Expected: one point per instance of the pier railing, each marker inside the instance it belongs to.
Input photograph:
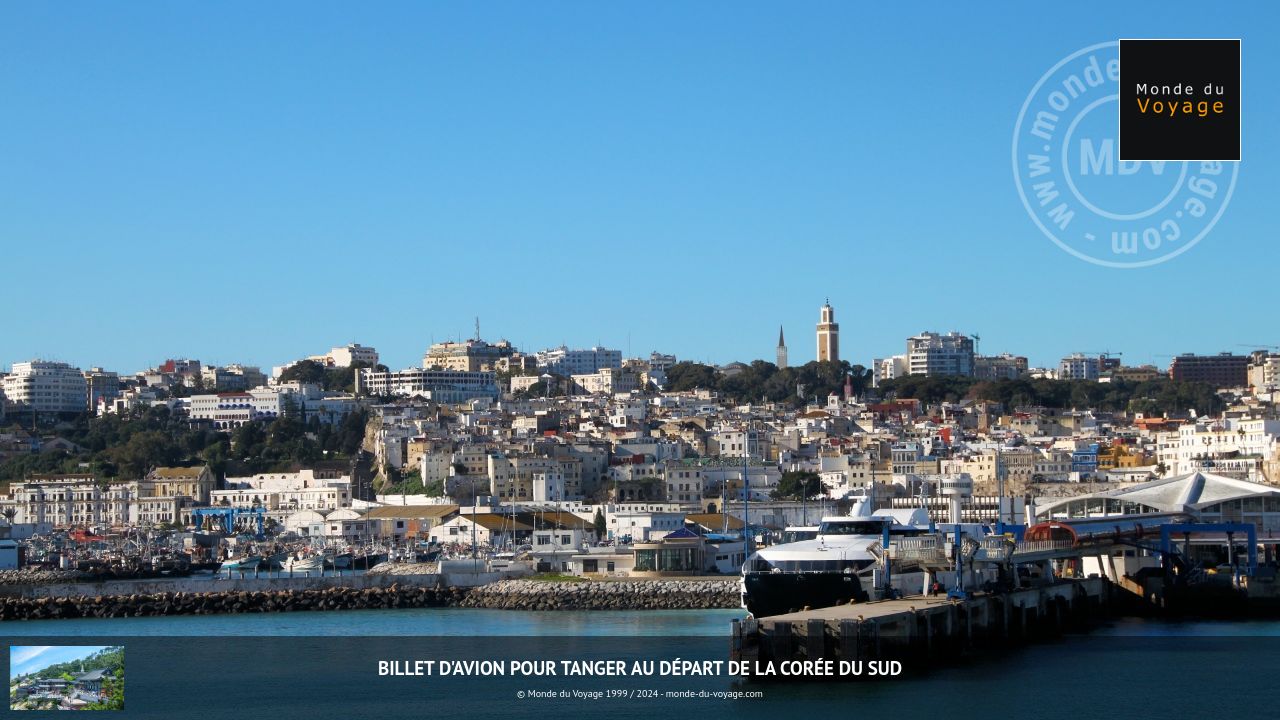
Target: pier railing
(1042, 546)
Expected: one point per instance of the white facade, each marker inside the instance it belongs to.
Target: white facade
(349, 355)
(889, 368)
(232, 409)
(932, 354)
(445, 386)
(81, 500)
(606, 381)
(1264, 372)
(1237, 446)
(1078, 367)
(45, 386)
(564, 361)
(287, 491)
(641, 525)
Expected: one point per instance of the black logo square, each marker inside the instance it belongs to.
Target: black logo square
(1179, 100)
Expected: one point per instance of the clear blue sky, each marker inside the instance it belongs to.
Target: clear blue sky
(25, 659)
(253, 182)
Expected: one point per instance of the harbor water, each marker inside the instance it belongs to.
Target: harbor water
(319, 665)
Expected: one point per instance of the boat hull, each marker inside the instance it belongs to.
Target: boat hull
(246, 565)
(775, 593)
(296, 565)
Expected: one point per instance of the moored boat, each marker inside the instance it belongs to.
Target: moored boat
(302, 563)
(246, 564)
(828, 569)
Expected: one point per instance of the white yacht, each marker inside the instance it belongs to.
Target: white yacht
(828, 569)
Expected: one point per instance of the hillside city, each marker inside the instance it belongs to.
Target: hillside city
(566, 449)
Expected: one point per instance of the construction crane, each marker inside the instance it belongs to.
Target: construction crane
(1259, 346)
(1100, 353)
(977, 340)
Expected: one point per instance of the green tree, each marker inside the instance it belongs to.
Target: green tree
(601, 527)
(799, 485)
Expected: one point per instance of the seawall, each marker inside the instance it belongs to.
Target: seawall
(186, 596)
(683, 594)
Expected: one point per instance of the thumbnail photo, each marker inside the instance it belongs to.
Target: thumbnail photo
(66, 677)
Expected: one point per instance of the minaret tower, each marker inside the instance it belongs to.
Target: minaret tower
(828, 335)
(782, 350)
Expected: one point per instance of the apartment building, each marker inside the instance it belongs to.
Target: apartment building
(444, 386)
(564, 361)
(930, 353)
(46, 386)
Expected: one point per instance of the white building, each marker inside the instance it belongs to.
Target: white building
(564, 361)
(302, 490)
(889, 368)
(444, 386)
(46, 386)
(1264, 372)
(229, 410)
(82, 500)
(605, 381)
(1208, 497)
(348, 355)
(1077, 366)
(932, 354)
(548, 486)
(638, 524)
(1227, 446)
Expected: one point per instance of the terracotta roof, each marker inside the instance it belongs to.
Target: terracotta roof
(411, 511)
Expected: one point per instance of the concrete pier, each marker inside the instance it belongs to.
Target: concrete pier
(922, 627)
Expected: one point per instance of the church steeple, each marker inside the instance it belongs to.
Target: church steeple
(782, 350)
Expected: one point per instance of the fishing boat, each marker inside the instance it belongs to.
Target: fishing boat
(366, 560)
(302, 563)
(246, 564)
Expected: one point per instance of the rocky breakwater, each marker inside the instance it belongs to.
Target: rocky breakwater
(36, 576)
(690, 594)
(209, 603)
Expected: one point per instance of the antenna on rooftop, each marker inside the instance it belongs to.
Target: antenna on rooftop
(477, 327)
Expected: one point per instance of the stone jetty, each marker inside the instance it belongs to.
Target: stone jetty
(690, 594)
(210, 603)
(667, 594)
(36, 576)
